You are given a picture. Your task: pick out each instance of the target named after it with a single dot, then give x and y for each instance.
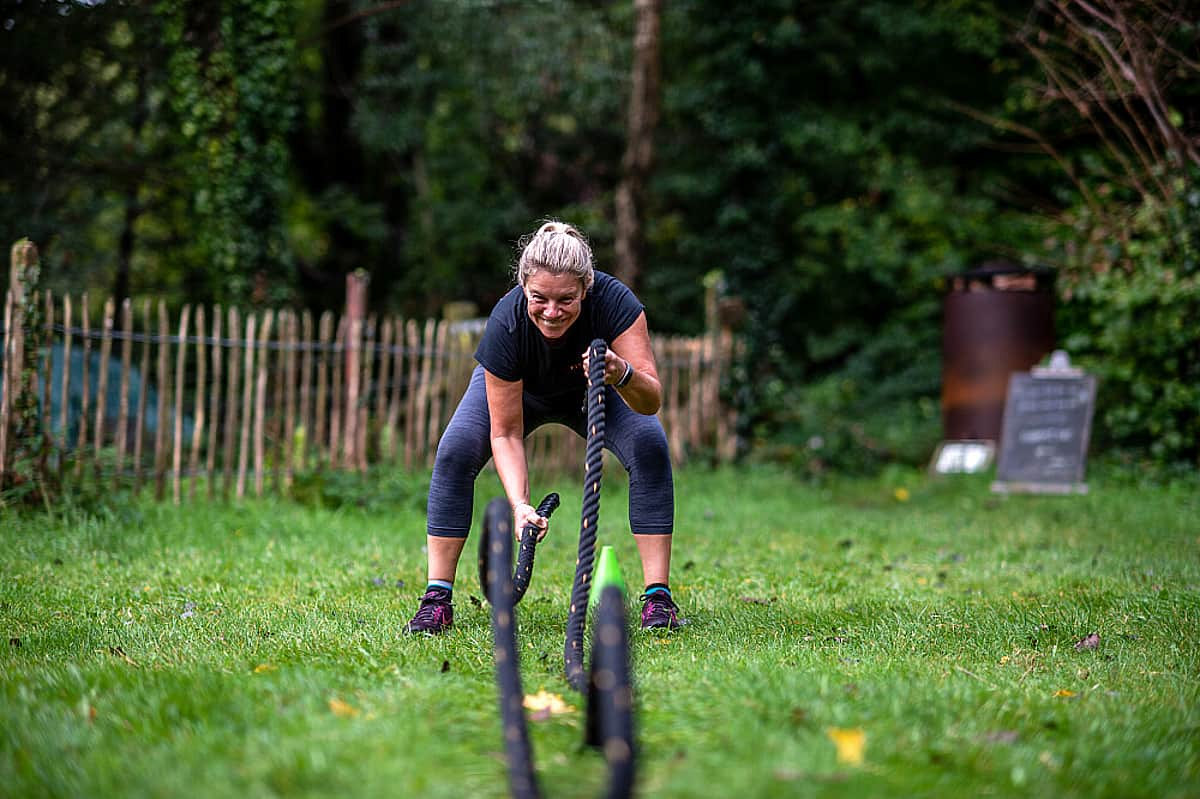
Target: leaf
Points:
(901, 494)
(342, 709)
(543, 705)
(262, 668)
(117, 651)
(1064, 693)
(850, 743)
(1088, 642)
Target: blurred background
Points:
(826, 169)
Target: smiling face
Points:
(554, 301)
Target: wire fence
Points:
(227, 403)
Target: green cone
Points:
(607, 572)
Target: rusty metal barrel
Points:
(998, 319)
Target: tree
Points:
(1127, 74)
(644, 102)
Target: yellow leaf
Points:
(901, 494)
(1064, 692)
(546, 704)
(262, 667)
(850, 744)
(342, 709)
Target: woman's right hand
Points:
(524, 514)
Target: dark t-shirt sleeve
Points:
(616, 307)
(497, 351)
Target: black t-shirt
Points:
(513, 348)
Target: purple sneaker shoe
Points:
(436, 614)
(659, 612)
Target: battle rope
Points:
(609, 725)
(525, 556)
(608, 684)
(590, 513)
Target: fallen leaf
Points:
(119, 652)
(1088, 642)
(342, 709)
(1064, 692)
(544, 704)
(850, 744)
(264, 667)
(901, 494)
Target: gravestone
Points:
(1046, 428)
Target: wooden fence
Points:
(225, 402)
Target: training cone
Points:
(608, 572)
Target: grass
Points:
(253, 649)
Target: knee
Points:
(459, 455)
(650, 458)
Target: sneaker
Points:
(435, 615)
(659, 612)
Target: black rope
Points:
(593, 471)
(608, 684)
(610, 693)
(498, 587)
(528, 551)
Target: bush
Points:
(1130, 317)
(377, 490)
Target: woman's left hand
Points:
(614, 366)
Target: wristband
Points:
(625, 378)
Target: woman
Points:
(532, 370)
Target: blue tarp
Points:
(113, 396)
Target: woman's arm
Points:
(505, 409)
(632, 349)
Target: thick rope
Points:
(496, 540)
(593, 471)
(523, 572)
(608, 684)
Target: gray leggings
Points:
(637, 440)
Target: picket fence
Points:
(229, 403)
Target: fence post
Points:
(21, 429)
(356, 309)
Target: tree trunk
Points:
(644, 105)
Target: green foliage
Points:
(229, 79)
(1133, 301)
(488, 118)
(838, 206)
(828, 160)
(377, 491)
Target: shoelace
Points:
(659, 605)
(430, 604)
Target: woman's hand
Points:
(633, 372)
(614, 366)
(523, 514)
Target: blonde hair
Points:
(557, 248)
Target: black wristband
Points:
(625, 378)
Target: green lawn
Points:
(254, 650)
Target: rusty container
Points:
(998, 319)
